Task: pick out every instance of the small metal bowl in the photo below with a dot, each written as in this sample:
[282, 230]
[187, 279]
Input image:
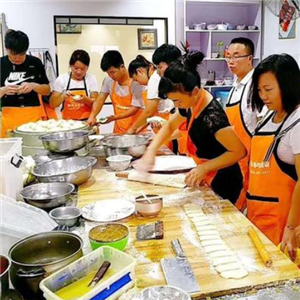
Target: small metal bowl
[48, 195]
[147, 209]
[67, 216]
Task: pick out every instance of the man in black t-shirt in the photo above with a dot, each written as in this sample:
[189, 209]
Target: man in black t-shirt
[23, 78]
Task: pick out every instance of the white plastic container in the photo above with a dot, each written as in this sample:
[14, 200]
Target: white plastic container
[11, 180]
[123, 278]
[19, 220]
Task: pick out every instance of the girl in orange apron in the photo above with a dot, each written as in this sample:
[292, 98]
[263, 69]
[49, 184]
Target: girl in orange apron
[271, 182]
[235, 117]
[73, 110]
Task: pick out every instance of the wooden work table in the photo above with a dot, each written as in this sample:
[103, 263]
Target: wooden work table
[231, 224]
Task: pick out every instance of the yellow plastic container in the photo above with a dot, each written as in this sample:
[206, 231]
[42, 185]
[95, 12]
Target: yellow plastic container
[118, 279]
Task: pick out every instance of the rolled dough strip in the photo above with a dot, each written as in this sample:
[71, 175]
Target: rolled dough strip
[224, 260]
[207, 232]
[205, 227]
[221, 253]
[228, 267]
[212, 242]
[215, 248]
[235, 274]
[159, 179]
[202, 222]
[208, 237]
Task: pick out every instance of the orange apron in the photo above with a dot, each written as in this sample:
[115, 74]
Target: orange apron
[235, 117]
[191, 149]
[270, 189]
[71, 108]
[13, 117]
[121, 103]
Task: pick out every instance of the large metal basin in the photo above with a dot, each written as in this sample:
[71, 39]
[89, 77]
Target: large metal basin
[134, 145]
[76, 170]
[48, 195]
[64, 142]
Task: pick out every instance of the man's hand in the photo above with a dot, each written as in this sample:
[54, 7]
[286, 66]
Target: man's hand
[26, 87]
[10, 90]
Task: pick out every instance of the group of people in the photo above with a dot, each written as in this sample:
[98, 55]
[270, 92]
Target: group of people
[248, 153]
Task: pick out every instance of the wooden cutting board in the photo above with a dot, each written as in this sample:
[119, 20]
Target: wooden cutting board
[231, 224]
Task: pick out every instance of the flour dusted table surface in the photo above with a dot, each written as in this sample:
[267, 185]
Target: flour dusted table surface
[231, 224]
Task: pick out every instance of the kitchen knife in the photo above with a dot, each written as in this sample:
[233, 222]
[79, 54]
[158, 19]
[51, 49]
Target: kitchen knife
[178, 271]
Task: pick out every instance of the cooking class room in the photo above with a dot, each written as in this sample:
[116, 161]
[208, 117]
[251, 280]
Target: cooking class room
[150, 150]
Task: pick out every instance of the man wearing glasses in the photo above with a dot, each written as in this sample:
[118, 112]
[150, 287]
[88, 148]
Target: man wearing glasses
[239, 60]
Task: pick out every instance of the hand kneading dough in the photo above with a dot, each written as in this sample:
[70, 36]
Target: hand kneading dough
[235, 274]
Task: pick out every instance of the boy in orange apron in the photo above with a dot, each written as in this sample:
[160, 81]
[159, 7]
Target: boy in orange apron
[125, 95]
[239, 58]
[75, 91]
[23, 78]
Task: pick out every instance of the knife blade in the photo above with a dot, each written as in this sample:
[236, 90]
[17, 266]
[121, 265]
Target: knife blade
[178, 271]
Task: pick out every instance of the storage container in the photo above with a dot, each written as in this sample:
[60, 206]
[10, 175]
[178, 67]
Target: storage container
[19, 220]
[122, 266]
[11, 179]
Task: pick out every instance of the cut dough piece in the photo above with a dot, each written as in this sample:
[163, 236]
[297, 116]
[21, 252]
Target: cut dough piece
[212, 242]
[191, 207]
[207, 232]
[228, 267]
[224, 260]
[205, 227]
[194, 215]
[235, 274]
[208, 237]
[215, 248]
[221, 253]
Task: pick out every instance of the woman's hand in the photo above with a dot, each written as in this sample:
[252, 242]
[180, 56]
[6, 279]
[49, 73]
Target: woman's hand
[146, 163]
[289, 242]
[196, 177]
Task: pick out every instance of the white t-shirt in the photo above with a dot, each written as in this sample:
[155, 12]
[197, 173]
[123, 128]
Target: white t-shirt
[289, 144]
[165, 105]
[61, 82]
[250, 117]
[136, 89]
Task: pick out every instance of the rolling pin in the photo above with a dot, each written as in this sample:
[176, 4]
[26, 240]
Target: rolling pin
[260, 248]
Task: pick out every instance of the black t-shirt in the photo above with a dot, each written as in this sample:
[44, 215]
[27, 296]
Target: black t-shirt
[228, 181]
[31, 70]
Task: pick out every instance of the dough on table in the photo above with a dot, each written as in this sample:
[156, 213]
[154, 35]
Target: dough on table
[208, 237]
[202, 222]
[212, 242]
[207, 232]
[228, 267]
[215, 248]
[191, 207]
[205, 227]
[235, 274]
[220, 253]
[224, 260]
[193, 215]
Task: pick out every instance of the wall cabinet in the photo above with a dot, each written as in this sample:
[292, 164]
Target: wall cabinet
[200, 13]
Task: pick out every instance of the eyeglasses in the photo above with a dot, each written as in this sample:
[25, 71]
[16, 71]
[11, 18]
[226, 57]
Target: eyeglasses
[236, 58]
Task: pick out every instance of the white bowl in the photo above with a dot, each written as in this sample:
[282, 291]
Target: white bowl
[252, 27]
[219, 82]
[119, 162]
[212, 26]
[222, 26]
[214, 55]
[241, 27]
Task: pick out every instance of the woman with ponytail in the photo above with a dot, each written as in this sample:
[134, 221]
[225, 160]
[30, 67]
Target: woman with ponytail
[210, 140]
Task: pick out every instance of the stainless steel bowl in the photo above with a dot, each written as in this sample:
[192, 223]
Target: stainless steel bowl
[64, 142]
[67, 216]
[76, 170]
[48, 195]
[134, 145]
